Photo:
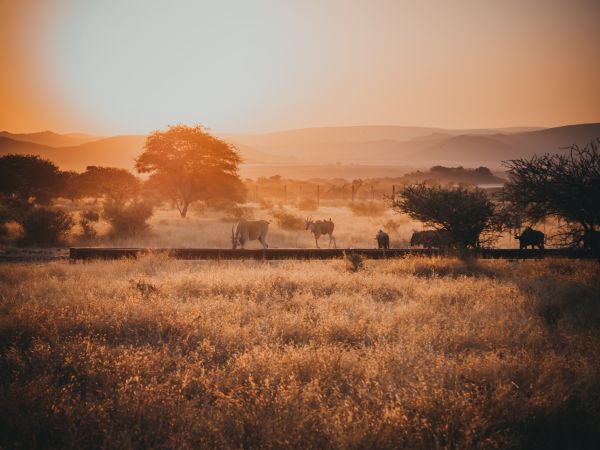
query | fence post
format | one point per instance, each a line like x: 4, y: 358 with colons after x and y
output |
x: 372, y: 194
x: 318, y: 197
x: 393, y: 193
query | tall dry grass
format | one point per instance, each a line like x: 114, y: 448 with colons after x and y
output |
x: 416, y: 353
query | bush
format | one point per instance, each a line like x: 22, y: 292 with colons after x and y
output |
x: 288, y: 221
x: 127, y: 218
x: 372, y: 209
x: 236, y: 213
x: 307, y: 204
x: 462, y: 213
x: 265, y: 204
x: 86, y: 221
x: 45, y: 226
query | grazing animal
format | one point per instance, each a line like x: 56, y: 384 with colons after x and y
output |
x: 430, y: 239
x: 383, y: 240
x: 321, y: 227
x: 532, y: 237
x: 250, y: 230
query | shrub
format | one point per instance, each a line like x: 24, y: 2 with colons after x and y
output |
x: 45, y: 226
x: 237, y: 213
x: 354, y: 261
x: 127, y: 218
x: 307, y: 204
x: 464, y: 214
x: 372, y: 209
x: 265, y: 204
x: 86, y: 221
x: 288, y: 221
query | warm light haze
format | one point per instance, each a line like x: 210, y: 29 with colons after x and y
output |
x: 115, y: 66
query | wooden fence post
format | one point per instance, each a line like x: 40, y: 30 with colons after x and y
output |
x: 318, y: 196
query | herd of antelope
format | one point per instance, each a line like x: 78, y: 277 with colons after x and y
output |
x: 257, y: 230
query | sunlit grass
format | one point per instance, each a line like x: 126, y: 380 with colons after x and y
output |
x: 415, y: 353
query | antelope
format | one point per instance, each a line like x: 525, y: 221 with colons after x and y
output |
x: 321, y: 227
x: 249, y: 230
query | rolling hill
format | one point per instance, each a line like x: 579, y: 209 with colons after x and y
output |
x: 117, y: 151
x: 369, y: 145
x: 50, y: 139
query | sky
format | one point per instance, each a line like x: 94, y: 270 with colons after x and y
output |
x: 252, y: 66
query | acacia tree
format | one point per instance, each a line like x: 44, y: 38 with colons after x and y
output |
x: 564, y: 186
x: 464, y: 214
x: 188, y: 164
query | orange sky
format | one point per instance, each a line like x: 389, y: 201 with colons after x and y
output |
x: 121, y: 66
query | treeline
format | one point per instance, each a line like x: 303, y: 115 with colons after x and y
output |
x: 183, y: 165
x: 339, y: 190
x: 562, y: 187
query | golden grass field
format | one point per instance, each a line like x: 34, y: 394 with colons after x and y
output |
x: 414, y: 353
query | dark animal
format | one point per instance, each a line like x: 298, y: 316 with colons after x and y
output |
x: 431, y: 239
x: 319, y: 228
x: 591, y: 240
x: 250, y: 230
x: 530, y: 237
x: 383, y: 240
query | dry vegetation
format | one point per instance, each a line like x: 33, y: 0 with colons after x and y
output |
x: 414, y: 353
x: 212, y: 228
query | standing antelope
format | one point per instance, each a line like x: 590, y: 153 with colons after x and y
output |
x: 321, y: 227
x: 250, y: 230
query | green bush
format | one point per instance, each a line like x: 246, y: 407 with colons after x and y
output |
x: 127, y: 218
x: 45, y: 226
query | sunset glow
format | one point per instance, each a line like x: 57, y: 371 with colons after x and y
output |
x: 238, y: 66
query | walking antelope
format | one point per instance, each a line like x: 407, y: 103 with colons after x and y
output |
x: 321, y: 227
x: 250, y: 230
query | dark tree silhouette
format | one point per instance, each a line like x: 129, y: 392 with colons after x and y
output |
x: 461, y: 212
x: 188, y: 164
x: 110, y: 182
x: 29, y: 179
x: 564, y: 186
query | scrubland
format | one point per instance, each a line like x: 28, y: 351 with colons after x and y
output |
x: 414, y: 353
x: 212, y: 229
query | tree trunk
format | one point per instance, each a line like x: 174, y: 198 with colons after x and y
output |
x: 183, y: 211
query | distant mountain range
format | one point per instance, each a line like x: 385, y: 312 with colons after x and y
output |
x: 371, y: 145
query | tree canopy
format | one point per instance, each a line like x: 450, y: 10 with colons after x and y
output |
x: 461, y: 212
x: 110, y: 182
x: 565, y: 186
x: 189, y: 164
x: 30, y: 179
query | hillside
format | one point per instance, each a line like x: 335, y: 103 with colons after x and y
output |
x: 417, y: 145
x: 369, y: 145
x: 50, y: 139
x: 118, y: 151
